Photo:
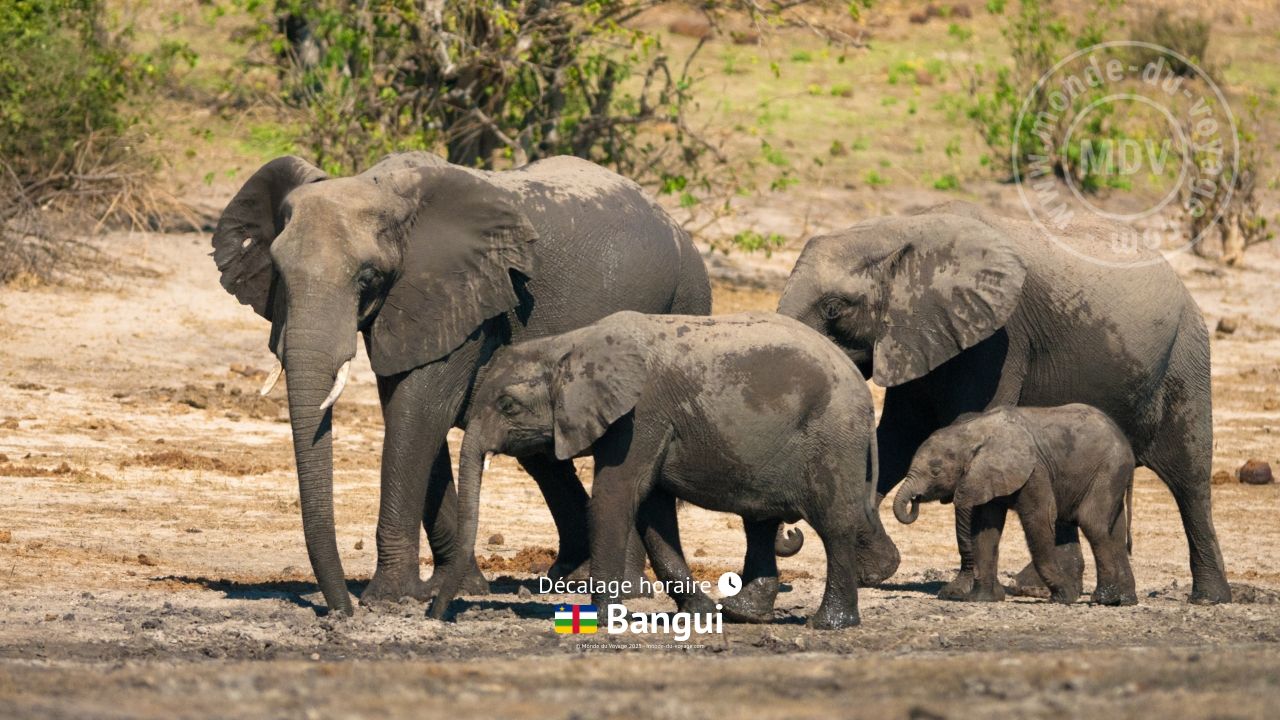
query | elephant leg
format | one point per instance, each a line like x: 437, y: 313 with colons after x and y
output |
x: 633, y: 568
x: 754, y: 603
x: 660, y: 533
x: 567, y: 501
x: 1070, y: 556
x: 626, y: 462
x: 961, y: 586
x: 1038, y: 513
x: 1108, y: 538
x: 419, y: 407
x: 839, y: 608
x: 1186, y: 471
x: 439, y: 519
x: 988, y: 525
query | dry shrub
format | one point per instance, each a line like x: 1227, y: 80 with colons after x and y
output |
x: 70, y: 155
x: 529, y: 559
x: 182, y: 460
x: 62, y: 470
x: 1228, y: 220
x: 1184, y: 34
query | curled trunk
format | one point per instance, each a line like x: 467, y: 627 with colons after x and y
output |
x: 907, y: 495
x: 788, y: 543
x: 470, y: 472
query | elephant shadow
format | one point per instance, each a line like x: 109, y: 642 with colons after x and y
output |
x: 291, y: 591
x: 528, y: 607
x: 931, y: 587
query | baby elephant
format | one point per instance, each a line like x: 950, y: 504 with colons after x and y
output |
x: 1058, y: 468
x: 753, y: 414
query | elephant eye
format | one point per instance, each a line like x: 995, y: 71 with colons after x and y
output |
x: 833, y: 308
x: 508, y: 405
x: 368, y: 278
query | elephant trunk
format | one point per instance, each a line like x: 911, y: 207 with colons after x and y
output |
x: 315, y: 356
x: 313, y: 452
x: 471, y: 466
x: 788, y: 543
x: 907, y: 495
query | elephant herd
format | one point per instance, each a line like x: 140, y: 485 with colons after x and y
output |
x: 555, y: 311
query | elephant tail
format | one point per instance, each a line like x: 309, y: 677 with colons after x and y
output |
x: 1128, y: 509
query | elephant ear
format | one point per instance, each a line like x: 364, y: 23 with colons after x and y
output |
x: 598, y: 381
x: 1002, y: 464
x: 953, y: 282
x: 466, y: 249
x: 243, y: 237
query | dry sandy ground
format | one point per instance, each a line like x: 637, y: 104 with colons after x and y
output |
x: 152, y: 564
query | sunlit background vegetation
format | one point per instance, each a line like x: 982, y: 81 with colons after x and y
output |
x: 147, y: 113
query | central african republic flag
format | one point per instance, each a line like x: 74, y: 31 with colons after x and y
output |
x: 575, y: 619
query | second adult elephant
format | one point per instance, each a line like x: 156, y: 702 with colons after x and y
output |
x: 957, y: 310
x: 436, y: 265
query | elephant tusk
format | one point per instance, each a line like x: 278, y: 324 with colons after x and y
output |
x: 339, y: 383
x: 487, y: 457
x: 272, y: 378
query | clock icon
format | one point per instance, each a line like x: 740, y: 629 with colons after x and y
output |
x: 730, y: 584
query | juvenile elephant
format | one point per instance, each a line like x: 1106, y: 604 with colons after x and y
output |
x: 753, y: 414
x: 436, y: 265
x: 957, y: 310
x: 1059, y: 468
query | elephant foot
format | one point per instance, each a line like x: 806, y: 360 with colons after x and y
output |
x: 877, y: 562
x: 387, y: 588
x: 959, y: 588
x: 754, y: 603
x: 569, y: 569
x: 1210, y: 593
x: 473, y: 584
x: 1064, y: 596
x: 828, y: 618
x: 697, y: 603
x: 1027, y: 583
x: 986, y: 593
x: 381, y: 589
x: 1110, y: 595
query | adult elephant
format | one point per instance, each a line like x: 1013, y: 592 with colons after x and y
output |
x: 436, y: 265
x: 956, y: 310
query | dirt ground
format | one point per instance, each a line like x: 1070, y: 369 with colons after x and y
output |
x: 152, y: 563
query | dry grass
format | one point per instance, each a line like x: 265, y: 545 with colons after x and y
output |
x: 182, y: 460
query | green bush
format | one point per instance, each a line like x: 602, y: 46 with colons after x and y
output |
x: 479, y: 82
x: 503, y: 83
x: 62, y: 78
x: 1038, y: 38
x: 68, y: 154
x: 947, y: 182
